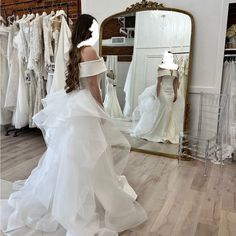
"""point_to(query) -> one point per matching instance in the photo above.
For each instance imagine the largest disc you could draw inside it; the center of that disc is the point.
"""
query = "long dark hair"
(80, 33)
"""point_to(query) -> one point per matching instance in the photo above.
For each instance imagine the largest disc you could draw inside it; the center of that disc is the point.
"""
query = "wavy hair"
(80, 33)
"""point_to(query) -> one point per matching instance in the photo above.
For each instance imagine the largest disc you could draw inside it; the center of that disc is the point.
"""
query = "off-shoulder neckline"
(161, 69)
(92, 61)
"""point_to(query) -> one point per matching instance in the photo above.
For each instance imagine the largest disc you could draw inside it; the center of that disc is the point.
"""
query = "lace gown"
(77, 187)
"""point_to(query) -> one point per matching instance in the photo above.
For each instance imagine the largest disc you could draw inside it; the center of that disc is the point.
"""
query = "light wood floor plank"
(178, 199)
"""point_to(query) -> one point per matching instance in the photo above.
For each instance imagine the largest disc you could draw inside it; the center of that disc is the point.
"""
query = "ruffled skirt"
(77, 187)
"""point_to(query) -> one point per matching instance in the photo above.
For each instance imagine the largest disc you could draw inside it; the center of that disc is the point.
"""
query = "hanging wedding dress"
(30, 76)
(111, 102)
(166, 117)
(21, 114)
(61, 56)
(128, 89)
(13, 64)
(183, 63)
(6, 115)
(229, 89)
(77, 188)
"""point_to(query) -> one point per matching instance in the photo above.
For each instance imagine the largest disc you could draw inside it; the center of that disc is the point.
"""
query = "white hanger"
(21, 19)
(52, 13)
(30, 17)
(27, 17)
(59, 13)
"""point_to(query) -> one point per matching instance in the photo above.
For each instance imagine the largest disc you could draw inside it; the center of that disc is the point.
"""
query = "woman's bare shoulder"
(88, 53)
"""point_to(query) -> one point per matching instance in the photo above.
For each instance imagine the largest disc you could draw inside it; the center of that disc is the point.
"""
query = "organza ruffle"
(77, 187)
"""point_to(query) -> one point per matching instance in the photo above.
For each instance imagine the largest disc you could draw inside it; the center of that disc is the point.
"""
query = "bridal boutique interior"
(161, 59)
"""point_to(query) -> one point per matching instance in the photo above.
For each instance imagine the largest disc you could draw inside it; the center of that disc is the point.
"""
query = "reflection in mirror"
(147, 56)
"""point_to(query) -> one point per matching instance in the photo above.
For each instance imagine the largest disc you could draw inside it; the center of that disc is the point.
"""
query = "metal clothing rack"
(29, 9)
(230, 55)
(180, 53)
(18, 131)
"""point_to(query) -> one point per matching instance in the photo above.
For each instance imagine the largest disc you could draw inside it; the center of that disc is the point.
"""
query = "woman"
(77, 187)
(161, 106)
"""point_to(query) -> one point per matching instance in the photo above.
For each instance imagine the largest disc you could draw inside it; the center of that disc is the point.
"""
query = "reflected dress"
(165, 117)
(77, 187)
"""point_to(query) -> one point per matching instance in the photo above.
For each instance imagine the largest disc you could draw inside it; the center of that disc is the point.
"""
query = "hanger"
(30, 17)
(21, 19)
(59, 13)
(52, 13)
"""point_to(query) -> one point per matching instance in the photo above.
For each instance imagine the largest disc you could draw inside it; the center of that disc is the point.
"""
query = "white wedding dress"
(161, 120)
(111, 102)
(77, 187)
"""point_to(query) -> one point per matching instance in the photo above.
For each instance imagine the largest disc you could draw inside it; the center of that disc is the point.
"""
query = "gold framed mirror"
(148, 52)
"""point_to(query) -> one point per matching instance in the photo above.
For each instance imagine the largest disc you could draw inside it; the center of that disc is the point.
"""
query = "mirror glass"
(147, 56)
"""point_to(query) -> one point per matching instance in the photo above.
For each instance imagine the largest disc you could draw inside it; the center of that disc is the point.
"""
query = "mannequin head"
(168, 62)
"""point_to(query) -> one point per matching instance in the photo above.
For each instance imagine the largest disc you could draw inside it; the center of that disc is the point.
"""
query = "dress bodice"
(91, 68)
(167, 79)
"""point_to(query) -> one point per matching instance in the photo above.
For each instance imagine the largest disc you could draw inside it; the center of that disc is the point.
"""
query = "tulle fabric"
(160, 120)
(77, 187)
(146, 112)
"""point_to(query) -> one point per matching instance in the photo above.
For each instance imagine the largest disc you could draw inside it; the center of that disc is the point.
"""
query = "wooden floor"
(179, 200)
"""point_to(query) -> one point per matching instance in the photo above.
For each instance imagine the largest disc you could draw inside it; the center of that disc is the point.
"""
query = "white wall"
(210, 21)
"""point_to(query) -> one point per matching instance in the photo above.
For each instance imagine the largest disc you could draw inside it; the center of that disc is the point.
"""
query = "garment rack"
(29, 9)
(180, 53)
(61, 4)
(44, 7)
(230, 55)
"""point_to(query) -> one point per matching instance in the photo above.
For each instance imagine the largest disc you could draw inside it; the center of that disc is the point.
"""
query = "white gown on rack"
(128, 89)
(111, 103)
(166, 117)
(21, 114)
(13, 64)
(77, 187)
(6, 115)
(61, 57)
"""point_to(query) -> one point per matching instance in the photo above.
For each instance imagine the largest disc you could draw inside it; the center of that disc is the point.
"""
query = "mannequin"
(166, 116)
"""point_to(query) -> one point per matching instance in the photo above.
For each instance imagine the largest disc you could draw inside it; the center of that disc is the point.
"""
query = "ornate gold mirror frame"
(145, 5)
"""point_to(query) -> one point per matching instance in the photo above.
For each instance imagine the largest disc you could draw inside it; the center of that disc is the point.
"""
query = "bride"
(77, 187)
